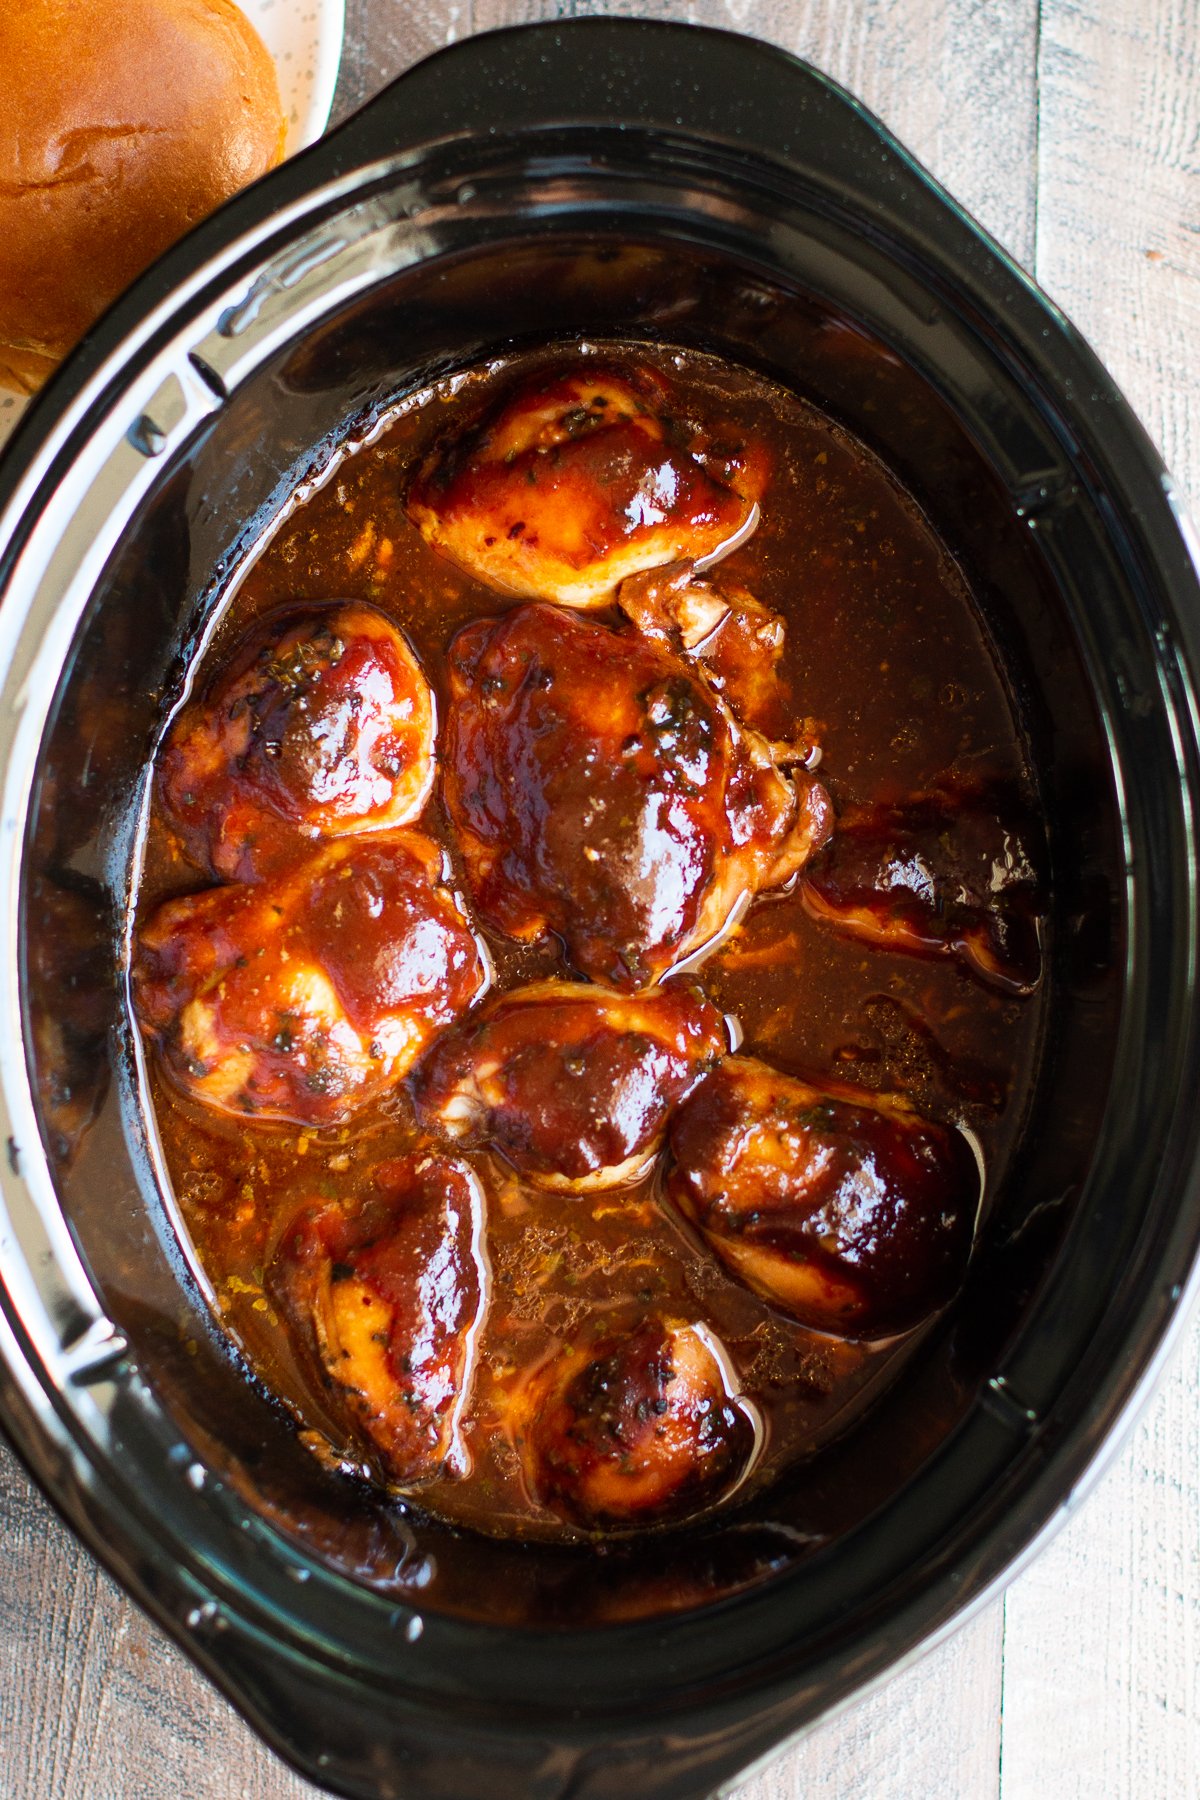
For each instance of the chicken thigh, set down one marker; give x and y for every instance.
(574, 1084)
(601, 791)
(846, 1210)
(385, 1302)
(949, 873)
(575, 481)
(634, 1426)
(321, 725)
(306, 997)
(733, 639)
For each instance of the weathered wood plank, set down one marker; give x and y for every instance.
(1102, 1635)
(385, 37)
(1118, 235)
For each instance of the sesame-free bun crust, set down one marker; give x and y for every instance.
(121, 126)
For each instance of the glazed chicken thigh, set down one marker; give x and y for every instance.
(573, 1084)
(846, 1210)
(385, 1301)
(306, 997)
(601, 791)
(634, 1426)
(322, 724)
(948, 873)
(578, 480)
(733, 639)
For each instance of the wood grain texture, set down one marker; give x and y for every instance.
(1118, 232)
(385, 37)
(1101, 1692)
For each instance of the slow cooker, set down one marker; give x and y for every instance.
(580, 181)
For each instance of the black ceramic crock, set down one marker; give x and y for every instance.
(593, 179)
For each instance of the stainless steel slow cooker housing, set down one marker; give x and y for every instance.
(595, 179)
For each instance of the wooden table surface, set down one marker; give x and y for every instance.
(1071, 128)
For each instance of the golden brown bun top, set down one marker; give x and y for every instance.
(123, 122)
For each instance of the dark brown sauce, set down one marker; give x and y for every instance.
(886, 650)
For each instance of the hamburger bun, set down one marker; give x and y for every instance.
(121, 126)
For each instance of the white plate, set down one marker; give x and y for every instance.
(305, 41)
